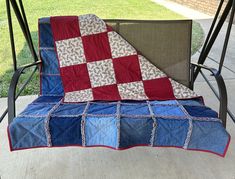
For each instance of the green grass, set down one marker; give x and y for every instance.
(128, 9)
(197, 37)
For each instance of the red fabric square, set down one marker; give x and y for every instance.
(159, 89)
(75, 78)
(96, 47)
(127, 69)
(109, 92)
(109, 28)
(65, 27)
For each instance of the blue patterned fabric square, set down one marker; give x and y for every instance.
(66, 109)
(101, 131)
(65, 131)
(164, 110)
(208, 136)
(38, 109)
(135, 109)
(135, 131)
(52, 85)
(102, 108)
(200, 111)
(27, 132)
(171, 132)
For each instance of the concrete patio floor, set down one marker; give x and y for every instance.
(141, 162)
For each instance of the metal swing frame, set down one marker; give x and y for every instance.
(196, 68)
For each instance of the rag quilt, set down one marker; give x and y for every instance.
(97, 90)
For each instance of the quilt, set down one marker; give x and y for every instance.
(51, 121)
(185, 124)
(96, 63)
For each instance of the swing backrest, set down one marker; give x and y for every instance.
(167, 44)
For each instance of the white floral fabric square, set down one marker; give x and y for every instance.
(181, 91)
(148, 70)
(119, 46)
(70, 52)
(90, 24)
(133, 90)
(79, 96)
(101, 73)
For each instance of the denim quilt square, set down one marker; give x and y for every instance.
(101, 131)
(135, 131)
(171, 132)
(65, 131)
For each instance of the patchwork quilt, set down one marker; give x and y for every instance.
(96, 63)
(163, 114)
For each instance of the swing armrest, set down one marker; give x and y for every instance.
(12, 96)
(222, 95)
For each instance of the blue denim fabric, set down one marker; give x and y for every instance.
(171, 132)
(208, 136)
(201, 111)
(52, 85)
(167, 110)
(29, 131)
(45, 33)
(50, 63)
(69, 109)
(139, 109)
(101, 131)
(135, 131)
(65, 131)
(102, 108)
(164, 102)
(48, 99)
(39, 109)
(190, 102)
(26, 132)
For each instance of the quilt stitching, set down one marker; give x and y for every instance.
(62, 131)
(98, 131)
(29, 131)
(132, 115)
(153, 133)
(46, 124)
(118, 116)
(190, 128)
(83, 123)
(129, 139)
(170, 131)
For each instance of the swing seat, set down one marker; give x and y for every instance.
(187, 124)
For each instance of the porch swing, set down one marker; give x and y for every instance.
(118, 83)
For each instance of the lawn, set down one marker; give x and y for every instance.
(128, 9)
